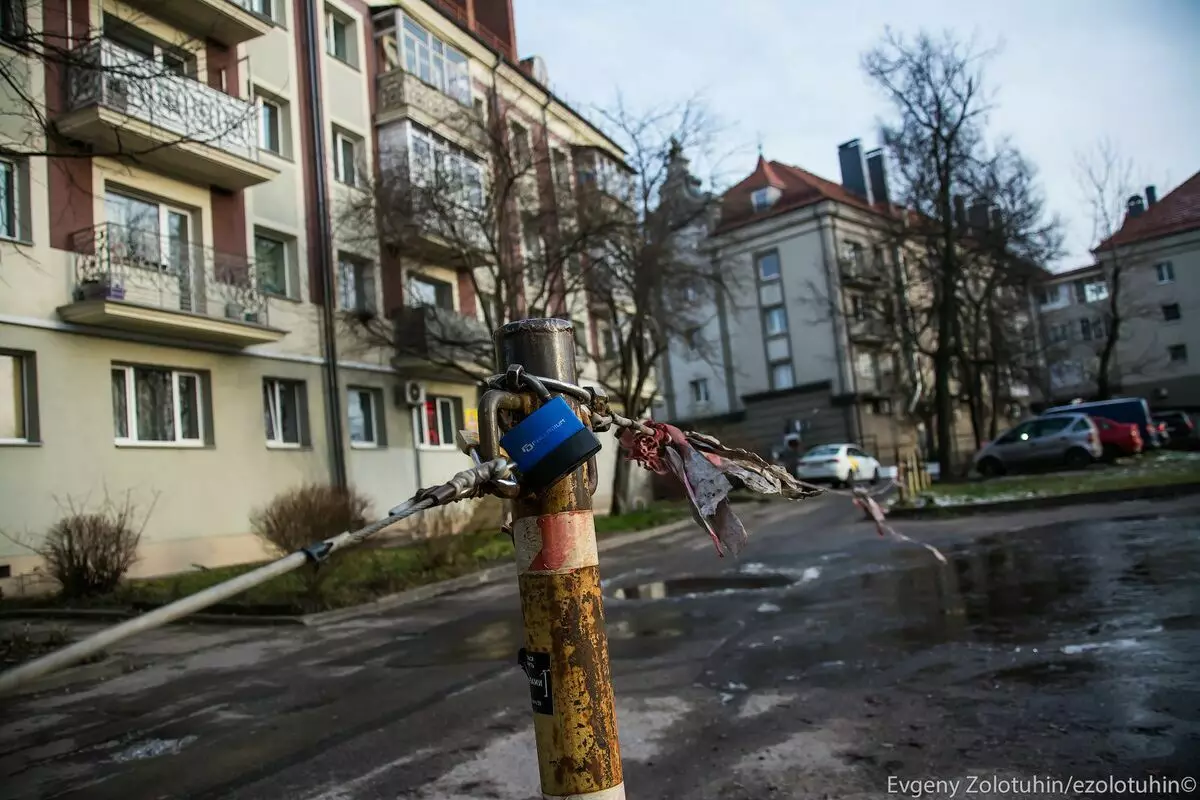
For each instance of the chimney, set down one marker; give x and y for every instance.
(960, 211)
(854, 169)
(877, 177)
(1151, 196)
(1135, 206)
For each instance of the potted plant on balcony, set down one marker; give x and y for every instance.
(100, 287)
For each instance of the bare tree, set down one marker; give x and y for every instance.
(654, 279)
(1107, 181)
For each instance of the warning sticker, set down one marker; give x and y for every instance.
(537, 669)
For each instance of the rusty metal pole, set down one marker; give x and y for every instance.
(566, 648)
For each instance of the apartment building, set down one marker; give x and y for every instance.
(792, 349)
(1156, 254)
(178, 234)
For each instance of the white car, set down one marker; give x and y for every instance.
(837, 463)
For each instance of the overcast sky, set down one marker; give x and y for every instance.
(787, 72)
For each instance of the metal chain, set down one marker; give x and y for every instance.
(471, 482)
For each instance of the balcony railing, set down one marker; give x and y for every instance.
(441, 335)
(115, 262)
(107, 75)
(399, 90)
(868, 329)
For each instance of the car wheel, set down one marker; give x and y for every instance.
(1077, 458)
(991, 468)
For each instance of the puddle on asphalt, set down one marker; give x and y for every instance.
(697, 586)
(152, 748)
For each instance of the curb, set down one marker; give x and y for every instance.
(117, 615)
(1049, 501)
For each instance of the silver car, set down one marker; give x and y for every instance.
(1069, 440)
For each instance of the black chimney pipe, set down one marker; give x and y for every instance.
(1151, 196)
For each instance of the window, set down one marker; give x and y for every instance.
(153, 405)
(364, 412)
(519, 139)
(561, 163)
(1048, 426)
(1177, 353)
(699, 390)
(782, 377)
(775, 320)
(1165, 271)
(852, 257)
(270, 124)
(356, 284)
(440, 422)
(437, 163)
(18, 398)
(1052, 296)
(147, 234)
(768, 266)
(435, 62)
(346, 154)
(858, 307)
(285, 412)
(424, 291)
(12, 19)
(14, 197)
(265, 8)
(339, 37)
(272, 261)
(1059, 333)
(168, 58)
(1170, 312)
(760, 200)
(1094, 291)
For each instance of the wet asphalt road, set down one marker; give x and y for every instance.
(825, 662)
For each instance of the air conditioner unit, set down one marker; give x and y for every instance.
(410, 393)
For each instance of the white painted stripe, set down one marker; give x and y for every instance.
(613, 793)
(555, 543)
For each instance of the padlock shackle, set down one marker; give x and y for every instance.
(490, 405)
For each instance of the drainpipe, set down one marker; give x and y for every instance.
(333, 405)
(839, 322)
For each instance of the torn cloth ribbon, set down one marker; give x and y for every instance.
(668, 452)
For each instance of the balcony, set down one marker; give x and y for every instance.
(433, 342)
(139, 280)
(230, 22)
(122, 103)
(404, 95)
(861, 274)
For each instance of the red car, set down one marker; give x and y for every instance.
(1118, 438)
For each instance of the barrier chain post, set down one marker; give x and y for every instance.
(566, 648)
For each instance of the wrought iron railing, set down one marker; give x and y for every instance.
(440, 334)
(105, 74)
(116, 262)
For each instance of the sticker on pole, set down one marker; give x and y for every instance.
(537, 669)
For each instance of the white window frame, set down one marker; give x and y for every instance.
(456, 160)
(333, 18)
(285, 248)
(776, 312)
(442, 405)
(356, 282)
(455, 72)
(791, 372)
(18, 21)
(10, 199)
(339, 159)
(1165, 271)
(370, 412)
(131, 409)
(699, 388)
(275, 388)
(1095, 290)
(760, 200)
(758, 262)
(263, 128)
(23, 394)
(267, 8)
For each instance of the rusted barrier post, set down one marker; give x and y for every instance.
(566, 648)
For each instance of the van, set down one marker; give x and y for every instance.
(1131, 410)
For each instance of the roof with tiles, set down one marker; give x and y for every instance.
(1178, 212)
(797, 188)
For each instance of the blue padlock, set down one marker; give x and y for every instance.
(548, 444)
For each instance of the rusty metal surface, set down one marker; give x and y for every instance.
(577, 746)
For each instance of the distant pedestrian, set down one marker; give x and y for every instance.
(790, 459)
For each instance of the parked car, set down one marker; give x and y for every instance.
(1133, 410)
(839, 464)
(1069, 440)
(1118, 438)
(1180, 428)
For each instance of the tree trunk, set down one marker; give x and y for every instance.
(622, 472)
(994, 421)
